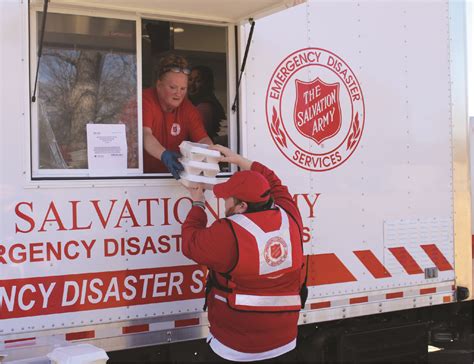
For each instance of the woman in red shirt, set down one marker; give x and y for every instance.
(169, 117)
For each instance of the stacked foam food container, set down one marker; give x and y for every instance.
(200, 165)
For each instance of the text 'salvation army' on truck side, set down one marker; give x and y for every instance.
(336, 97)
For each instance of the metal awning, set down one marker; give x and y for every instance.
(227, 11)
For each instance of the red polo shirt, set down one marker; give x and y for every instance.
(169, 128)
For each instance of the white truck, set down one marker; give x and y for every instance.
(359, 106)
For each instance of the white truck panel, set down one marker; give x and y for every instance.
(377, 215)
(395, 190)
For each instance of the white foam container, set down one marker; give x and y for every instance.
(192, 180)
(199, 152)
(78, 354)
(197, 168)
(200, 165)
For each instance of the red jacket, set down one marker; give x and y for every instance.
(216, 247)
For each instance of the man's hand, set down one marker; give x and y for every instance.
(170, 160)
(197, 193)
(231, 157)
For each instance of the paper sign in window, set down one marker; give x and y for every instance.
(106, 149)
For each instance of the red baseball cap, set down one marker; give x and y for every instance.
(248, 186)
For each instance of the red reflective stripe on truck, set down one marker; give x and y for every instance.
(406, 260)
(428, 290)
(188, 322)
(374, 266)
(19, 343)
(80, 335)
(136, 328)
(327, 269)
(18, 340)
(317, 305)
(392, 295)
(355, 300)
(437, 257)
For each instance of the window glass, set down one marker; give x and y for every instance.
(88, 74)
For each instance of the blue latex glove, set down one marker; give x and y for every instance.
(170, 160)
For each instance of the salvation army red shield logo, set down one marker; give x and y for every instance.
(175, 129)
(275, 251)
(317, 112)
(315, 109)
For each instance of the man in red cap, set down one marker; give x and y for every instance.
(256, 281)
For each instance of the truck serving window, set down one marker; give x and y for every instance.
(85, 119)
(205, 49)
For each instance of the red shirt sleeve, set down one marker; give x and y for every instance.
(214, 246)
(279, 192)
(195, 122)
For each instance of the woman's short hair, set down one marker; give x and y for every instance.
(167, 62)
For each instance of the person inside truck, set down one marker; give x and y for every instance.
(256, 284)
(201, 94)
(169, 117)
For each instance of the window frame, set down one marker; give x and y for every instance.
(53, 177)
(58, 174)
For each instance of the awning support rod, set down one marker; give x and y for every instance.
(242, 68)
(40, 48)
